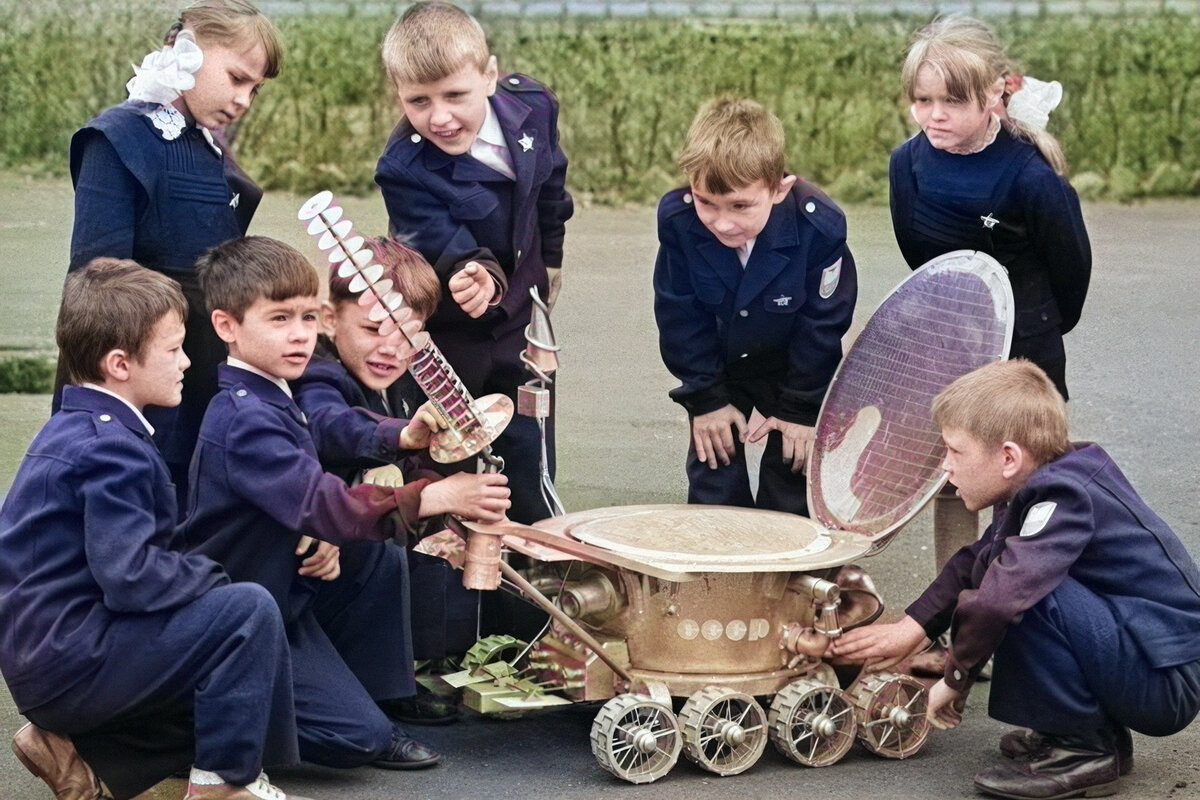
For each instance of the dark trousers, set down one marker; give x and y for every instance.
(1068, 668)
(520, 445)
(208, 683)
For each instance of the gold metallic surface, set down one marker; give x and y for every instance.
(635, 738)
(450, 445)
(724, 731)
(891, 714)
(812, 723)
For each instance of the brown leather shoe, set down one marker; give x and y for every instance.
(1023, 743)
(1063, 767)
(261, 789)
(52, 758)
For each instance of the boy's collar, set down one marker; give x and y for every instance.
(92, 398)
(237, 363)
(491, 132)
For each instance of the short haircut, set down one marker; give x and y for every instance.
(432, 40)
(236, 274)
(733, 143)
(234, 24)
(408, 271)
(1007, 401)
(111, 304)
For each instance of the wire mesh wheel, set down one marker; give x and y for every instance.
(892, 721)
(635, 738)
(812, 723)
(723, 731)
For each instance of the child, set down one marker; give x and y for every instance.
(113, 635)
(151, 185)
(968, 180)
(754, 287)
(352, 394)
(257, 488)
(474, 178)
(1087, 599)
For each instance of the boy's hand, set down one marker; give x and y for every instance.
(712, 436)
(389, 476)
(468, 495)
(417, 433)
(324, 564)
(472, 288)
(555, 276)
(797, 439)
(880, 646)
(945, 706)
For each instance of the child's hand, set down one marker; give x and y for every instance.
(882, 645)
(712, 436)
(324, 564)
(797, 439)
(945, 706)
(472, 288)
(417, 433)
(468, 495)
(389, 476)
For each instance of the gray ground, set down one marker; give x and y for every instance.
(622, 441)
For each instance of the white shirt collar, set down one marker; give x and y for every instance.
(132, 407)
(280, 382)
(743, 252)
(490, 131)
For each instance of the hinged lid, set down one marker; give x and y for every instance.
(877, 455)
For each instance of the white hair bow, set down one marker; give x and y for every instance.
(1033, 102)
(167, 72)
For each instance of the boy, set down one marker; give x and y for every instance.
(754, 287)
(257, 487)
(474, 178)
(352, 393)
(113, 635)
(1087, 599)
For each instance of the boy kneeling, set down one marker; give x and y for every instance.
(113, 635)
(1088, 601)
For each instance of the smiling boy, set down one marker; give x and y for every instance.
(754, 287)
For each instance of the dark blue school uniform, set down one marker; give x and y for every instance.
(353, 429)
(1090, 603)
(768, 335)
(256, 487)
(162, 202)
(1009, 203)
(113, 634)
(455, 209)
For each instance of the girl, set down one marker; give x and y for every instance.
(152, 184)
(971, 179)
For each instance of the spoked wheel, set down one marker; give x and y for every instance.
(491, 649)
(892, 718)
(723, 731)
(812, 723)
(635, 738)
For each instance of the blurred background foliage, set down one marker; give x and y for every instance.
(628, 88)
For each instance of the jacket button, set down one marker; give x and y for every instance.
(957, 675)
(519, 254)
(240, 392)
(743, 313)
(1045, 316)
(514, 81)
(415, 138)
(687, 198)
(105, 418)
(745, 355)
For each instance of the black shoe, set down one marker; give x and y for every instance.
(1023, 743)
(1062, 767)
(423, 708)
(405, 752)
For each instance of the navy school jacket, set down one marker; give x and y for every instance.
(454, 209)
(256, 486)
(1077, 516)
(87, 534)
(782, 317)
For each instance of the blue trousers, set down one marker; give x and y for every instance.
(208, 683)
(1068, 668)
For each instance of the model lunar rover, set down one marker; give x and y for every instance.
(704, 628)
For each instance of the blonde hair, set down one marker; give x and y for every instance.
(966, 54)
(733, 143)
(232, 23)
(432, 40)
(1007, 401)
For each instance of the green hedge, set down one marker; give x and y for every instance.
(1129, 123)
(26, 374)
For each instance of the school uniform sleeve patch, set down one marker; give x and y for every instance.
(1037, 517)
(829, 279)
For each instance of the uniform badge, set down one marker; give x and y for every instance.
(1037, 517)
(237, 198)
(829, 279)
(526, 142)
(988, 221)
(782, 301)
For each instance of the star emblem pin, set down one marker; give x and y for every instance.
(526, 142)
(989, 221)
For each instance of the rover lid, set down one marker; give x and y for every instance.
(877, 455)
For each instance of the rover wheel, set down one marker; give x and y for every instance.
(723, 731)
(812, 723)
(635, 738)
(892, 720)
(490, 649)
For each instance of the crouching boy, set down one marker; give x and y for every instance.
(130, 657)
(1088, 601)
